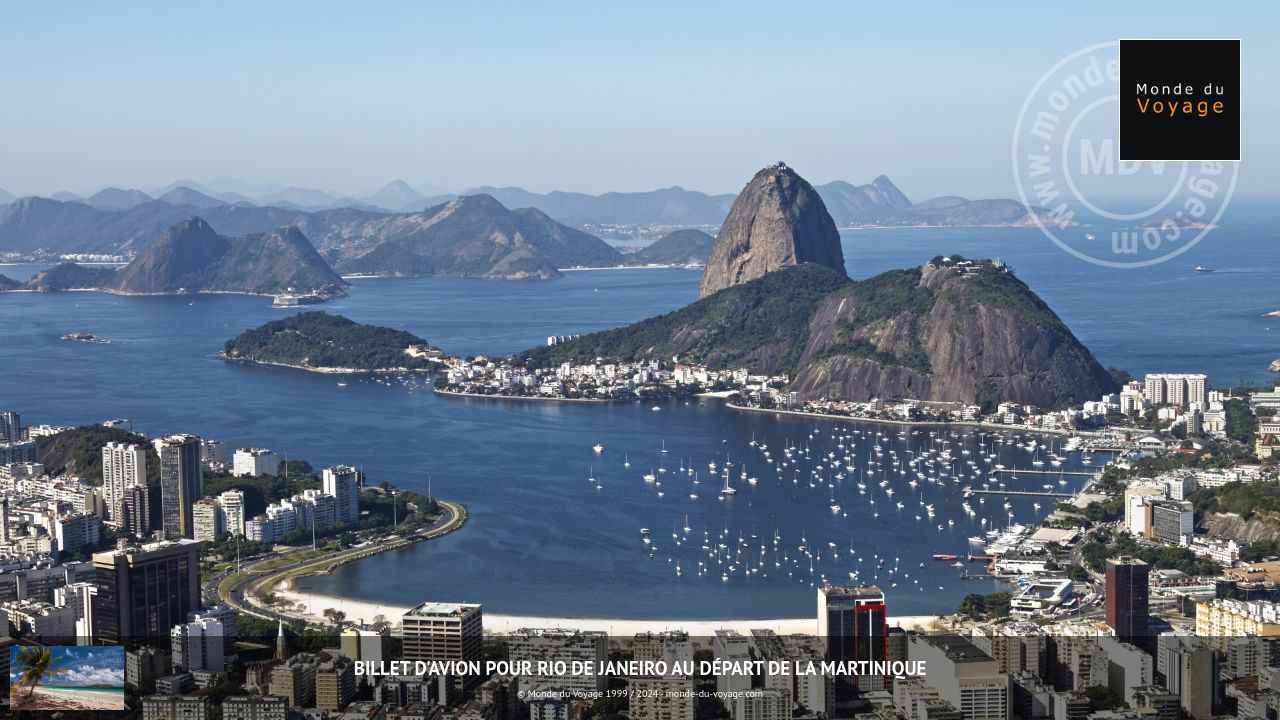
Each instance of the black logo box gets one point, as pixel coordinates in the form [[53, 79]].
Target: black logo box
[[1188, 65]]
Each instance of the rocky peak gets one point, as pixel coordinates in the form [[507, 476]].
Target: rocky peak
[[777, 221]]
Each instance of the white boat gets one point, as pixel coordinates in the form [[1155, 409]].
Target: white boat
[[598, 448]]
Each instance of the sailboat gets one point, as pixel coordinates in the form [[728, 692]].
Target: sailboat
[[626, 461], [727, 489]]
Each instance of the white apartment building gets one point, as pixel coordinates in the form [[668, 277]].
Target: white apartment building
[[1179, 389], [341, 481], [231, 502], [252, 462], [124, 465]]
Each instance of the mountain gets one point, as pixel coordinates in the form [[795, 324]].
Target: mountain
[[301, 198], [682, 247], [185, 196], [472, 235], [70, 276], [778, 220], [954, 330], [387, 259], [5, 197], [117, 199], [191, 256], [668, 206], [7, 284], [882, 203], [846, 202], [396, 196]]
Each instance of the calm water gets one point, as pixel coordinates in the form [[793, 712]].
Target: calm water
[[542, 539]]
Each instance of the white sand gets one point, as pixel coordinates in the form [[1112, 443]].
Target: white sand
[[356, 610]]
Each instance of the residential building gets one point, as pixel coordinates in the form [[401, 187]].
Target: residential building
[[124, 465], [963, 675], [199, 645], [295, 680], [206, 520], [175, 707], [1173, 521], [342, 482], [252, 462], [335, 683], [555, 645], [254, 707], [231, 502]]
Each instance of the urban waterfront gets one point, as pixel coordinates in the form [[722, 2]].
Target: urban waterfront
[[542, 539]]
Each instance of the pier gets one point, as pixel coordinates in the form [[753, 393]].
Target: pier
[[1027, 493], [1074, 473]]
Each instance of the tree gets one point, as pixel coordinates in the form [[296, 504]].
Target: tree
[[335, 616], [33, 663]]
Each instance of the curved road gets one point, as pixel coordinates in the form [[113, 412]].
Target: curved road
[[236, 594]]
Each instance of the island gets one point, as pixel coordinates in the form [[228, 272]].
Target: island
[[319, 342]]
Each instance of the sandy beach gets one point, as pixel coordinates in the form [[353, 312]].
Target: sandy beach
[[315, 605], [67, 699]]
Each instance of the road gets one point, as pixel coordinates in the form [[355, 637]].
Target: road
[[236, 594]]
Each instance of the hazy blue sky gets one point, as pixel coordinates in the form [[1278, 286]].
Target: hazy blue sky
[[589, 97]]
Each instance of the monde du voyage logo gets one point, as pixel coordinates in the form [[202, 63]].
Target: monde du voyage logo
[[1124, 152]]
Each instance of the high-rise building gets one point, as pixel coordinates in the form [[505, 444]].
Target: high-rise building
[[181, 483], [135, 510], [232, 504], [443, 631], [335, 683], [11, 426], [963, 675], [206, 519], [124, 465], [144, 591], [295, 680], [340, 481], [1181, 389], [1127, 611], [853, 622], [1173, 521], [199, 645]]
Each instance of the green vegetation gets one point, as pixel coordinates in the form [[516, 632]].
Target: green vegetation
[[7, 284], [884, 298], [261, 491], [1245, 500], [763, 324], [1242, 424], [992, 605], [1260, 550], [320, 340], [1159, 557], [79, 451], [71, 276], [34, 663]]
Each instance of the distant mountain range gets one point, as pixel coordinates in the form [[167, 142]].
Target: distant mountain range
[[877, 203], [681, 247]]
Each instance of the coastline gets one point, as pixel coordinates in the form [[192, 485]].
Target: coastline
[[918, 423], [323, 370], [363, 611], [482, 396]]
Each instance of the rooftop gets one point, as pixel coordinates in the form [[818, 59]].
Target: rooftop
[[443, 609]]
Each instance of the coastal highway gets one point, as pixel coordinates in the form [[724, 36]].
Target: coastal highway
[[233, 588]]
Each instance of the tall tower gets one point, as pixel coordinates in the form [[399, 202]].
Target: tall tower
[[124, 465], [853, 623], [1127, 589], [181, 483]]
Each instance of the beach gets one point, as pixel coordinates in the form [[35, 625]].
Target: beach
[[46, 698], [359, 611]]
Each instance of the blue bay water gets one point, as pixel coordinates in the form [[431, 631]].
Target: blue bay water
[[542, 540]]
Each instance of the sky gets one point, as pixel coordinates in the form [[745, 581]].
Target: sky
[[84, 666], [588, 97]]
